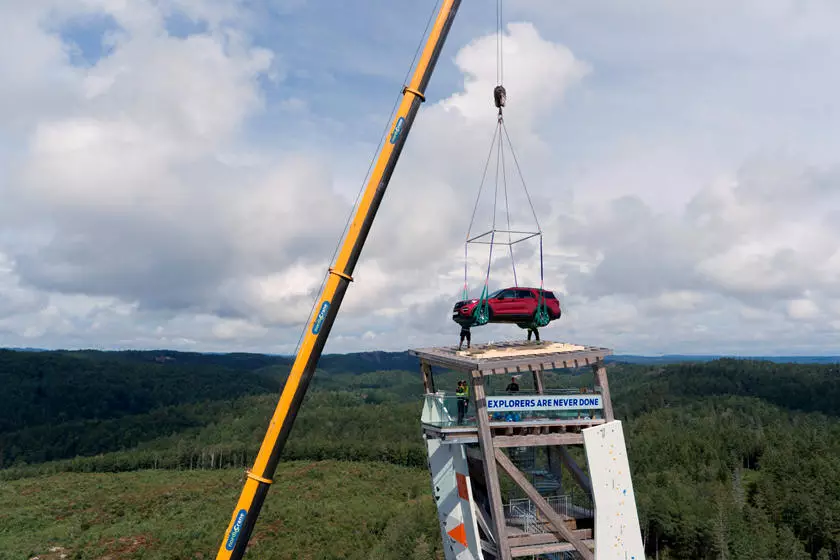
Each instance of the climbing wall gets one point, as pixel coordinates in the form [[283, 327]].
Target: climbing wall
[[453, 496], [617, 533]]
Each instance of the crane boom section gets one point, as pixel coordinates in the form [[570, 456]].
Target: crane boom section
[[258, 480]]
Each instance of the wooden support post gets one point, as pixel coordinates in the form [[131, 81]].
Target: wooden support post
[[558, 455], [491, 474], [428, 377], [555, 467], [601, 379], [538, 381], [544, 507]]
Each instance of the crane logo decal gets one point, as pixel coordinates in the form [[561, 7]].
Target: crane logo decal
[[319, 320], [237, 527], [395, 135]]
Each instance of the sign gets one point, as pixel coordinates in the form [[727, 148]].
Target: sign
[[319, 320], [398, 126], [544, 402], [237, 527]]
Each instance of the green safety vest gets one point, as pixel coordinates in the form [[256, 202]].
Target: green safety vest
[[462, 392]]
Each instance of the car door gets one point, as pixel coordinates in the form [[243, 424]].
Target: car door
[[527, 303], [505, 304]]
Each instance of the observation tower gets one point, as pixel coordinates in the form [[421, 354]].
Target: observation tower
[[508, 475]]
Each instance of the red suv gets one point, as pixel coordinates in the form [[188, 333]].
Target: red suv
[[510, 305]]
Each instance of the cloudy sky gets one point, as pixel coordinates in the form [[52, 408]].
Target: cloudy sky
[[177, 173]]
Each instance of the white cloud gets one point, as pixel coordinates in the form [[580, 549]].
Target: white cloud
[[538, 72], [681, 167], [237, 329], [802, 309], [16, 300]]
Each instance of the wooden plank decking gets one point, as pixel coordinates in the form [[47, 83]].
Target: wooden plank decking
[[513, 357]]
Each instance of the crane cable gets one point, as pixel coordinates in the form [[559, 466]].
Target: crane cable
[[499, 136], [500, 67], [482, 310]]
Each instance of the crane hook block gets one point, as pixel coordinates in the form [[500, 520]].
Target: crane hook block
[[500, 95]]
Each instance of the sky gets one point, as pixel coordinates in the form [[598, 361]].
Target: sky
[[177, 173]]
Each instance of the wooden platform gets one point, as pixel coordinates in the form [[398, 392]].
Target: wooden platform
[[517, 434], [512, 357]]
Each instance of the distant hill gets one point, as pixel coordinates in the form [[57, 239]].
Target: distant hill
[[361, 362], [679, 358], [234, 360], [70, 402], [791, 386], [354, 362], [48, 388]]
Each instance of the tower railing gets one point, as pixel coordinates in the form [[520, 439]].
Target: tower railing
[[522, 513]]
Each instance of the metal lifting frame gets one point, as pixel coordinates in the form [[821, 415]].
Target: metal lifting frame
[[258, 481], [525, 235]]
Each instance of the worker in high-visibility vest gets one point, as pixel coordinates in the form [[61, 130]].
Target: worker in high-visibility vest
[[463, 395]]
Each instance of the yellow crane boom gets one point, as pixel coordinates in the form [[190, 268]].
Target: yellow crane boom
[[258, 481]]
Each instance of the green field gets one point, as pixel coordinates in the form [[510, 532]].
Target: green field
[[316, 510]]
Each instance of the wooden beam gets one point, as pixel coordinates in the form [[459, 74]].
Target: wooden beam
[[601, 378], [484, 522], [428, 378], [491, 475], [580, 477], [535, 440], [545, 538], [481, 500], [553, 517], [538, 381], [489, 548], [549, 548]]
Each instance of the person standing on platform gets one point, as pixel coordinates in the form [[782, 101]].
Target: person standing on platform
[[465, 335], [463, 395], [535, 331], [513, 386]]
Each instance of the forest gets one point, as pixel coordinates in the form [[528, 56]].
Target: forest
[[731, 459]]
